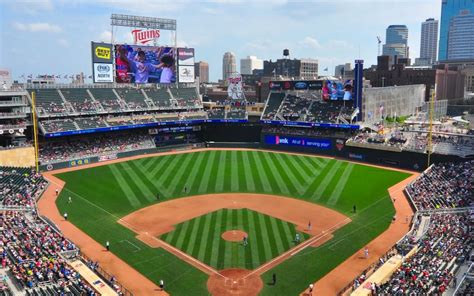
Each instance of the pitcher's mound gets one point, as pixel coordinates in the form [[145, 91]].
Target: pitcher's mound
[[234, 281], [234, 235]]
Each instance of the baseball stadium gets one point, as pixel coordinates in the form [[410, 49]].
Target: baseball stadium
[[152, 183]]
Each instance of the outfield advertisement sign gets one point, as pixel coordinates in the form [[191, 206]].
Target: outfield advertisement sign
[[321, 144]]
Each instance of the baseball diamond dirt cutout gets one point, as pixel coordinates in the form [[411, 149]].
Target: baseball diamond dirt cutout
[[149, 226]]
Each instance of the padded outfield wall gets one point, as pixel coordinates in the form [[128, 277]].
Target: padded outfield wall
[[335, 146]]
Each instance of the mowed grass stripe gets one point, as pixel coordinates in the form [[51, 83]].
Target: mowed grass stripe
[[341, 184], [255, 245], [327, 179], [317, 179], [201, 241], [285, 233], [189, 247], [221, 243], [271, 236], [177, 180], [242, 184], [234, 174], [182, 235], [209, 250], [146, 178], [162, 166], [227, 171], [206, 174], [219, 177], [228, 252], [215, 243], [128, 192], [248, 172], [278, 236], [294, 171], [147, 193], [264, 236], [195, 171], [243, 254], [274, 174], [170, 166], [148, 162], [261, 172], [290, 180]]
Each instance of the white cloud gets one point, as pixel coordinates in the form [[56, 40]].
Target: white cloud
[[37, 27], [63, 43], [105, 36], [310, 42]]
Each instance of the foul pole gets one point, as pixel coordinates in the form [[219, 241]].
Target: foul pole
[[35, 129]]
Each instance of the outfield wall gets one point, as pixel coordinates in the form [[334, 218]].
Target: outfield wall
[[336, 147]]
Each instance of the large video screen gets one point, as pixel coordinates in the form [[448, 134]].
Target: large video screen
[[144, 64]]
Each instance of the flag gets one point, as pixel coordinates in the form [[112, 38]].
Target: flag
[[325, 69], [30, 76], [65, 76]]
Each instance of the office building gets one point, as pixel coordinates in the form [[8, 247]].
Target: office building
[[229, 66], [296, 68], [429, 41], [461, 36], [201, 70], [339, 70], [396, 41], [450, 9], [249, 64]]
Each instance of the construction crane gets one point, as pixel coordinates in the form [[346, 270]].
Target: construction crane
[[379, 41]]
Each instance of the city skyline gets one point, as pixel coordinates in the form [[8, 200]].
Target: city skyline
[[67, 29]]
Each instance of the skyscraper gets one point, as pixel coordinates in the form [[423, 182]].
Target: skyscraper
[[201, 70], [249, 64], [429, 40], [461, 36], [450, 9], [396, 41], [229, 65]]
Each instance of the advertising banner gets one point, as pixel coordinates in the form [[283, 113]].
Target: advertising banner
[[103, 73], [321, 144], [186, 74], [186, 56], [102, 53], [145, 64]]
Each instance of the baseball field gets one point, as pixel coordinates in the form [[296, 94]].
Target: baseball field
[[186, 201]]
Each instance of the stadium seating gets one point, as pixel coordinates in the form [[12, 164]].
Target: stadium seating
[[273, 105], [294, 108], [186, 97], [79, 99], [19, 186], [448, 185], [51, 152], [236, 114], [48, 101], [440, 251], [134, 98], [160, 97], [60, 125], [216, 113], [107, 98], [89, 123]]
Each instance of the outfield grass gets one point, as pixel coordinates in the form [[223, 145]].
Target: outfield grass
[[102, 195], [201, 238]]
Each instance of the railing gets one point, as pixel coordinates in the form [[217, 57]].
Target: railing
[[105, 85], [105, 276]]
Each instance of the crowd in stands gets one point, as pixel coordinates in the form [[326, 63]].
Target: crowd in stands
[[430, 270], [70, 149], [447, 185], [20, 186], [301, 131]]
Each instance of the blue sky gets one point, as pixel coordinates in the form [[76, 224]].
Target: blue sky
[[53, 36]]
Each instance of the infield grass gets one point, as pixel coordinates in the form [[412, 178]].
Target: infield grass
[[103, 195]]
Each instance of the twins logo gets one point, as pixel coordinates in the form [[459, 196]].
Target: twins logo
[[145, 36]]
